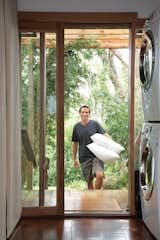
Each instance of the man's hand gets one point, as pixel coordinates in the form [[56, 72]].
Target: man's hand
[[76, 164], [107, 135]]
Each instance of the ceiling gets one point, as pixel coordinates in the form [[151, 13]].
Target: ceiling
[[144, 8], [87, 38]]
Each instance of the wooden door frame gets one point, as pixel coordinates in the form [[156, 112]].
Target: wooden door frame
[[56, 22]]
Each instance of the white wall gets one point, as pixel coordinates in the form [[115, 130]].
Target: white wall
[[10, 138], [2, 126], [13, 117], [143, 7]]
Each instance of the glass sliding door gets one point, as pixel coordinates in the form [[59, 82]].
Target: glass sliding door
[[38, 107], [30, 109]]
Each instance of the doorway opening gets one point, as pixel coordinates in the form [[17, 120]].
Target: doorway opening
[[96, 63]]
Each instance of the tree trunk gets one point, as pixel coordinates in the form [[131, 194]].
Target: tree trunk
[[114, 77], [29, 166]]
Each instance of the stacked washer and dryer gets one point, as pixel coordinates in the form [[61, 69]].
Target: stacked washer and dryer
[[150, 138]]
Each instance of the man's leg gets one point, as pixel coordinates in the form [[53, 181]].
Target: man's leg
[[98, 169], [90, 185], [99, 180], [86, 168]]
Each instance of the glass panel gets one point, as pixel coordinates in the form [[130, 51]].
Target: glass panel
[[50, 121], [147, 171], [138, 99], [138, 121], [30, 92], [147, 58], [96, 74]]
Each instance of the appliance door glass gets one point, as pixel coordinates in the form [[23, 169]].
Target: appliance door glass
[[147, 59], [147, 170]]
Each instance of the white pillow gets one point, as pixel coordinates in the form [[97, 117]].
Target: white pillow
[[102, 153], [104, 141]]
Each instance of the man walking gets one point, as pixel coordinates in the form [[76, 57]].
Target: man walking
[[91, 166]]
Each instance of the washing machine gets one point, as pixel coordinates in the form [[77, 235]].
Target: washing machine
[[149, 68], [150, 177]]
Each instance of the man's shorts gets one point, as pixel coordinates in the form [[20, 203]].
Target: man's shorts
[[90, 167]]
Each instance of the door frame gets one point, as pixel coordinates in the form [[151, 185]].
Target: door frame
[[56, 22]]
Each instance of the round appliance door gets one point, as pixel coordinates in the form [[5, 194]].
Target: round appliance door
[[147, 168], [147, 59]]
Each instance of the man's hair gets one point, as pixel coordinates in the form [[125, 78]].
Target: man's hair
[[84, 106]]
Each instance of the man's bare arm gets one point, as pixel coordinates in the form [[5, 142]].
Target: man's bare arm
[[74, 150]]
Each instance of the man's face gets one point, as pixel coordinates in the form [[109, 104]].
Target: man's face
[[84, 114]]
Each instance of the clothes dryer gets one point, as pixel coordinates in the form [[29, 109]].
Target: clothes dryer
[[149, 66], [150, 177]]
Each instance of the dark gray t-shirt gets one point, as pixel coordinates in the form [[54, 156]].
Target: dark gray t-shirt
[[81, 134]]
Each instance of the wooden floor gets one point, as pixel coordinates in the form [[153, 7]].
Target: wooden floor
[[81, 228]]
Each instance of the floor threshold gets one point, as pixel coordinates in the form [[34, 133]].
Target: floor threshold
[[97, 214]]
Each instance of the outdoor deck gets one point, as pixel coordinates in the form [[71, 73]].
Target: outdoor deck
[[83, 200]]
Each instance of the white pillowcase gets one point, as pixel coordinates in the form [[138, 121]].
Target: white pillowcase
[[102, 153], [104, 141]]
